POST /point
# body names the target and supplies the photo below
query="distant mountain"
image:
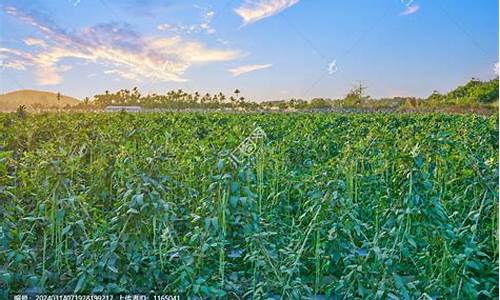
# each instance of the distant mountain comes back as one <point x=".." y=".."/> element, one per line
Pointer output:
<point x="33" y="99"/>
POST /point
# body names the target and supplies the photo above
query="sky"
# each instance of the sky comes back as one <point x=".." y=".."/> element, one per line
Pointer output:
<point x="268" y="49"/>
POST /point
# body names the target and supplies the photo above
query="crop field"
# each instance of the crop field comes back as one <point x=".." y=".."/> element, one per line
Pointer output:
<point x="250" y="206"/>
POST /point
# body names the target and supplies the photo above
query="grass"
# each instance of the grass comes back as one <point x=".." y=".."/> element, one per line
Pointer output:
<point x="348" y="206"/>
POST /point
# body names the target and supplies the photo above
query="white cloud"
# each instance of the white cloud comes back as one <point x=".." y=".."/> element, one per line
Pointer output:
<point x="204" y="26"/>
<point x="116" y="47"/>
<point x="126" y="75"/>
<point x="14" y="59"/>
<point x="165" y="27"/>
<point x="64" y="68"/>
<point x="247" y="69"/>
<point x="34" y="42"/>
<point x="254" y="10"/>
<point x="47" y="75"/>
<point x="410" y="9"/>
<point x="223" y="41"/>
<point x="12" y="65"/>
<point x="186" y="29"/>
<point x="495" y="69"/>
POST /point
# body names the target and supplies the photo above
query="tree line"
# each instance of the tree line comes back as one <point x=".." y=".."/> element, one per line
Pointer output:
<point x="473" y="94"/>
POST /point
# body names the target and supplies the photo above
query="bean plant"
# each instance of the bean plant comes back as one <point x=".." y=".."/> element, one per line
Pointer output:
<point x="357" y="206"/>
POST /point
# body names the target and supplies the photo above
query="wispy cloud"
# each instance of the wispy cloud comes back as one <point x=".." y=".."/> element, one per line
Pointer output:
<point x="35" y="42"/>
<point x="115" y="46"/>
<point x="204" y="26"/>
<point x="247" y="69"/>
<point x="254" y="10"/>
<point x="410" y="10"/>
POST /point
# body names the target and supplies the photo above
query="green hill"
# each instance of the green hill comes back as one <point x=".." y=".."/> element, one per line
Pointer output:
<point x="473" y="92"/>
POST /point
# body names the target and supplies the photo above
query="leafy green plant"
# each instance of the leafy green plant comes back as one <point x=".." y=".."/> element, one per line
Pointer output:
<point x="348" y="206"/>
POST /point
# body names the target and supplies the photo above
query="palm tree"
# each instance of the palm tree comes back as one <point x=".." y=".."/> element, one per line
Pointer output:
<point x="222" y="97"/>
<point x="136" y="95"/>
<point x="235" y="100"/>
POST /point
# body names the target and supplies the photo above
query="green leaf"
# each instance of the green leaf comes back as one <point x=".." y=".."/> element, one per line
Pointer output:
<point x="132" y="211"/>
<point x="81" y="283"/>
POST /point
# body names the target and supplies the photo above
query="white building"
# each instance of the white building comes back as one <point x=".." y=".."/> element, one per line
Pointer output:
<point x="132" y="109"/>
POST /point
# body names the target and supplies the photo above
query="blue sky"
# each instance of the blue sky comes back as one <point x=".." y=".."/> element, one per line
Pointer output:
<point x="269" y="49"/>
